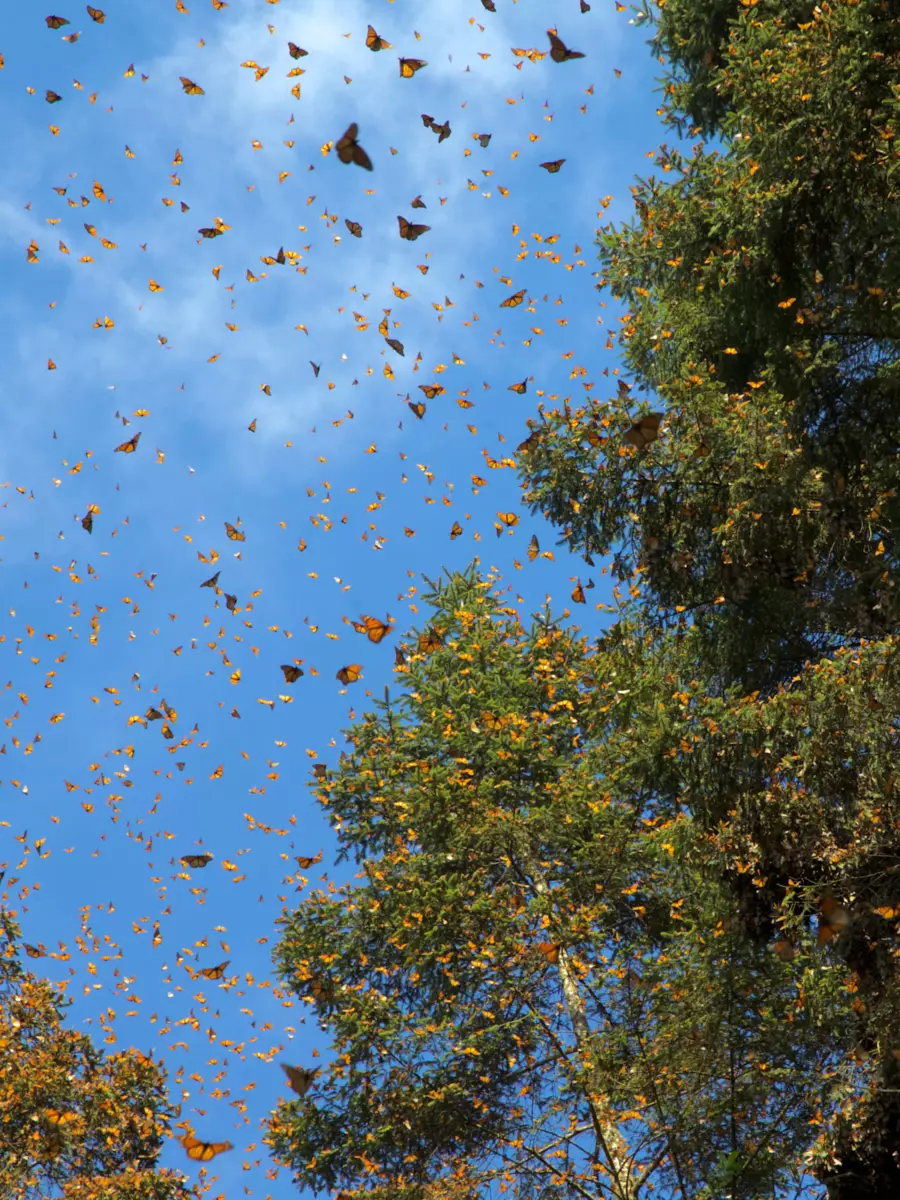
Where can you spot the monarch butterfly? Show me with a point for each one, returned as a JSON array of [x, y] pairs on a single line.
[[396, 346], [585, 7], [87, 521], [644, 431], [418, 408], [252, 426], [56, 22], [553, 167], [196, 861], [215, 972], [316, 368], [418, 203], [578, 594], [304, 860], [550, 951], [230, 601], [374, 42], [399, 657], [534, 548], [96, 14], [212, 581], [409, 66], [130, 446], [559, 51], [442, 130], [432, 389], [291, 673], [514, 300], [354, 227], [456, 531], [34, 951], [374, 629], [489, 5], [350, 674], [191, 88], [484, 139], [520, 388], [211, 233], [509, 519], [430, 640], [153, 714], [784, 950], [530, 442], [199, 1151], [410, 231], [296, 52], [320, 771], [350, 151], [235, 534], [52, 97], [299, 1078]]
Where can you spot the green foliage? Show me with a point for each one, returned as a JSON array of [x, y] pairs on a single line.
[[762, 289], [537, 961]]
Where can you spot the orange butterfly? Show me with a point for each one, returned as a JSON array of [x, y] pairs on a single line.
[[374, 42], [96, 14], [203, 1151], [296, 52], [52, 97], [456, 531], [432, 389], [56, 22], [211, 233], [235, 534], [212, 581], [354, 226], [87, 521], [430, 640], [550, 950], [130, 446], [554, 166], [350, 151], [304, 860], [484, 138], [350, 674], [559, 51], [215, 972], [520, 388], [374, 629], [320, 771], [644, 431], [191, 88], [196, 861], [299, 1078], [410, 231], [578, 594], [291, 673], [514, 300], [409, 66], [509, 519], [534, 548], [418, 408]]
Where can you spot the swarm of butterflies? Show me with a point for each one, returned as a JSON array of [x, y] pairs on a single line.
[[640, 434]]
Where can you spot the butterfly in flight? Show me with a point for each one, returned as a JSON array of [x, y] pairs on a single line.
[[374, 42], [409, 231], [559, 51], [191, 88], [553, 167], [644, 431], [200, 1151], [299, 1078], [350, 151], [409, 66]]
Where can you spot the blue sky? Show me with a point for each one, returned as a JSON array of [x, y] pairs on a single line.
[[365, 479]]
